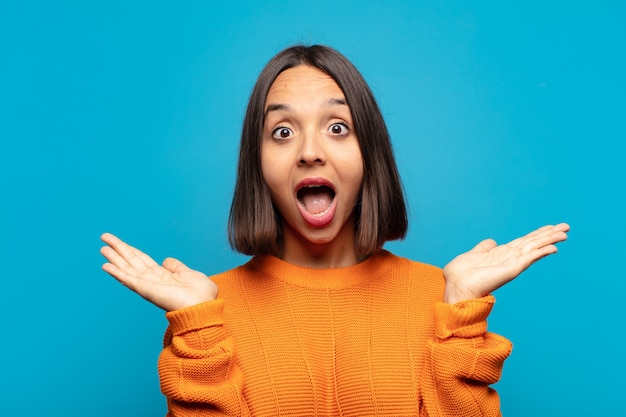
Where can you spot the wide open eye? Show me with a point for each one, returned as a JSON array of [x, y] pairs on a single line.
[[281, 133], [339, 129]]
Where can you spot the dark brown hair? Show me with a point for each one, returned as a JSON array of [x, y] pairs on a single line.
[[380, 214]]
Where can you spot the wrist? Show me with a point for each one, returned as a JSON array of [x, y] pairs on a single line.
[[453, 294]]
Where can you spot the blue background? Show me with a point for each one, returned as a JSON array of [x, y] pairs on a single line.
[[125, 117]]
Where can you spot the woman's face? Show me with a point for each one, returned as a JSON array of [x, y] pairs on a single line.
[[311, 162]]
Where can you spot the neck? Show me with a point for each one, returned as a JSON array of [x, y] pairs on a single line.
[[336, 253]]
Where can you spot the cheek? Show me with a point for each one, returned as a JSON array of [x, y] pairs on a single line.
[[271, 176], [357, 181], [353, 163], [267, 166]]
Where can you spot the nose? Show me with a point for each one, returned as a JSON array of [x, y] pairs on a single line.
[[312, 150]]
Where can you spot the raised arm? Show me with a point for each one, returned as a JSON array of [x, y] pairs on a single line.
[[197, 369], [464, 359]]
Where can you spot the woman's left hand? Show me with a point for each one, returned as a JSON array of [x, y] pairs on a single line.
[[489, 266]]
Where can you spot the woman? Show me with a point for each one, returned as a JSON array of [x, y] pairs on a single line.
[[322, 320]]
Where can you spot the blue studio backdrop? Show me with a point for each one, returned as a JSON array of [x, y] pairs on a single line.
[[124, 116]]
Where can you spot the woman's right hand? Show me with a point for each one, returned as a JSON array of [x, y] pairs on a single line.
[[171, 286]]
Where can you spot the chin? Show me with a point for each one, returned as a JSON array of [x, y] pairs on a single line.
[[320, 240]]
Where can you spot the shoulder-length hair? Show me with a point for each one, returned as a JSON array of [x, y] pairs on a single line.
[[254, 226]]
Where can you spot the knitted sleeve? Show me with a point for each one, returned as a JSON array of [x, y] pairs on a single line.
[[197, 367], [462, 359]]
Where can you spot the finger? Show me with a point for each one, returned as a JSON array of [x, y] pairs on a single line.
[[550, 230], [109, 238], [121, 275], [123, 258], [550, 237], [174, 265], [531, 257], [522, 240], [133, 256], [540, 233], [484, 245], [114, 258], [562, 227], [147, 260]]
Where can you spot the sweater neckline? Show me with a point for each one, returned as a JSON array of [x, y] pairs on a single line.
[[322, 278]]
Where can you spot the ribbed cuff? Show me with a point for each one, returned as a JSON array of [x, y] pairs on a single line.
[[464, 319], [196, 317]]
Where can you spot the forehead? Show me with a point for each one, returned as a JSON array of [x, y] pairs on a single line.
[[303, 81]]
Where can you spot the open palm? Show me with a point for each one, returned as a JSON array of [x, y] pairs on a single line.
[[489, 266], [171, 286]]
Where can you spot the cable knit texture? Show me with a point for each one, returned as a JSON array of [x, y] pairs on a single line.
[[373, 339]]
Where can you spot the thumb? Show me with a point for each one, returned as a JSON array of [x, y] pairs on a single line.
[[174, 265], [485, 245]]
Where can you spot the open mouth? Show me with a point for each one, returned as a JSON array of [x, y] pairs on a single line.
[[316, 199]]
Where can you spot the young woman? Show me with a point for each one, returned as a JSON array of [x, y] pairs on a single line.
[[322, 320]]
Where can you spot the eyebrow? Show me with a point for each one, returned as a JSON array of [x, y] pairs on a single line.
[[285, 107], [277, 107], [336, 102]]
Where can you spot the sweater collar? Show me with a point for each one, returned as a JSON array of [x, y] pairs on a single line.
[[322, 278]]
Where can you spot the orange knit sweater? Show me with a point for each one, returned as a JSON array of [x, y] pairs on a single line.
[[373, 339]]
